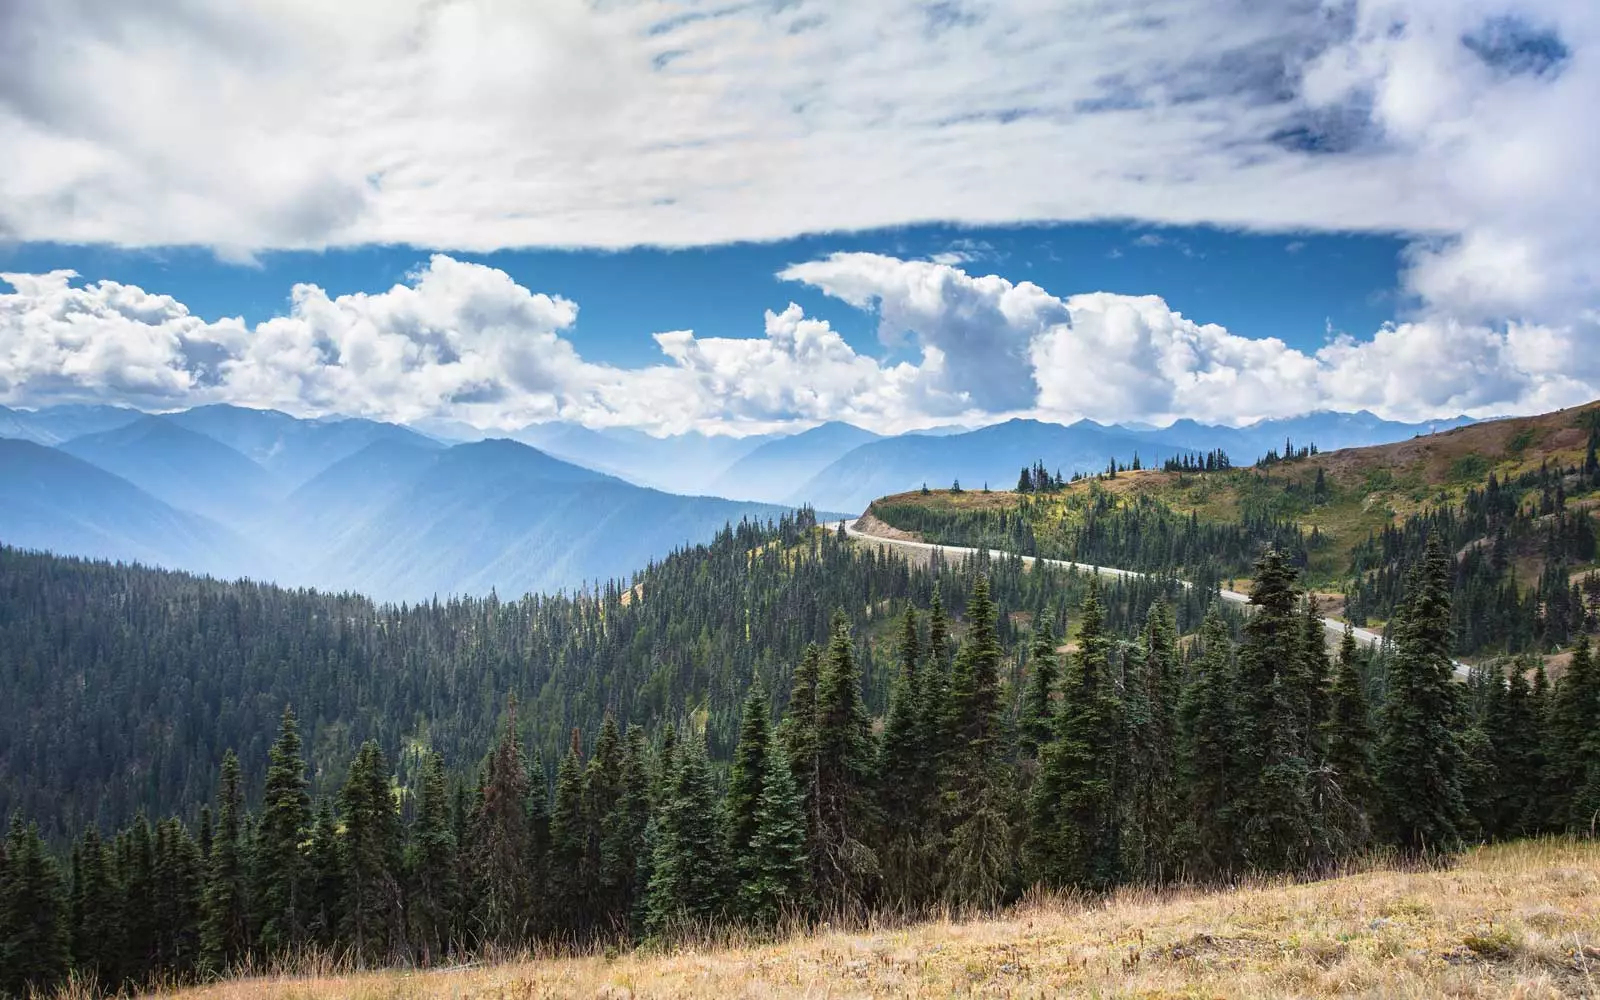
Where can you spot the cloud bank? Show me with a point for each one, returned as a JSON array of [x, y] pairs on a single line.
[[463, 341]]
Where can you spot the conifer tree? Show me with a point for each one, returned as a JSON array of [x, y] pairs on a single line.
[[96, 933], [431, 865], [33, 915], [502, 844], [1418, 760], [1516, 732], [846, 869], [1209, 752], [279, 862], [1277, 827], [178, 901], [225, 936], [137, 874], [903, 775], [325, 875], [602, 794], [623, 832], [746, 778], [1572, 754], [568, 880], [1036, 719], [689, 878], [778, 881], [372, 849], [978, 860], [1348, 738], [1074, 836], [1312, 696], [1153, 807]]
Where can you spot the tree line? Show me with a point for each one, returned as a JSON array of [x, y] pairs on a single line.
[[1143, 759]]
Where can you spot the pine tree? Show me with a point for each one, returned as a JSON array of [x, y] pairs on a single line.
[[541, 907], [569, 884], [1348, 738], [623, 832], [777, 882], [602, 796], [1153, 807], [1277, 827], [325, 878], [431, 865], [903, 775], [137, 864], [845, 869], [690, 877], [1418, 761], [746, 778], [33, 915], [1074, 837], [179, 900], [1037, 717], [1312, 696], [978, 860], [96, 933], [280, 868], [1516, 732], [502, 844], [1209, 752], [1573, 755], [225, 935], [372, 848]]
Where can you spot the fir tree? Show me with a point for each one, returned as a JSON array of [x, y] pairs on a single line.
[[1074, 836], [431, 865], [1418, 761], [97, 929], [689, 877], [1348, 738], [1573, 755], [1516, 732], [903, 774], [623, 832], [777, 882], [372, 856], [33, 915], [325, 877], [978, 860], [569, 882], [502, 844], [279, 862], [137, 864], [225, 936], [1209, 752], [1153, 807], [178, 902], [602, 793], [846, 868], [1312, 696], [746, 778], [1037, 717]]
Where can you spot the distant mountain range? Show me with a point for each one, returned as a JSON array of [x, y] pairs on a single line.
[[359, 504]]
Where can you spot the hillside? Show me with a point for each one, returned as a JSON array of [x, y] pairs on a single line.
[[1517, 920], [776, 470]]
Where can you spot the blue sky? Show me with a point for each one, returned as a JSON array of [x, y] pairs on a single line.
[[500, 213], [1292, 286]]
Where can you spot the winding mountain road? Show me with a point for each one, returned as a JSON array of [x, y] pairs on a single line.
[[1335, 627]]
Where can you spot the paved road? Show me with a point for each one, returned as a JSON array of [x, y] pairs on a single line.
[[1335, 627]]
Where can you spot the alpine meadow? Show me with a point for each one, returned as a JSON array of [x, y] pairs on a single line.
[[660, 499]]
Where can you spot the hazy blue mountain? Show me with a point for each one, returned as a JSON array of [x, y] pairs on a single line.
[[293, 450], [185, 470], [55, 424], [1328, 430], [495, 514], [680, 463], [774, 471], [52, 500], [992, 455]]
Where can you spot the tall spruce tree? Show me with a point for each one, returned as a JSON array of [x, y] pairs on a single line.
[[136, 850], [1573, 754], [97, 927], [33, 915], [1153, 807], [623, 833], [690, 877], [502, 844], [978, 858], [1036, 718], [178, 901], [1418, 760], [747, 776], [431, 865], [846, 868], [1074, 835], [1209, 753], [325, 892], [602, 794], [569, 885], [904, 776], [225, 936], [279, 861], [777, 882], [1348, 738], [372, 847]]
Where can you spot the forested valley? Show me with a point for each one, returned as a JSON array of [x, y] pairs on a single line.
[[940, 751]]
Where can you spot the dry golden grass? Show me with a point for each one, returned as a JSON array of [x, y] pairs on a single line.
[[1519, 920]]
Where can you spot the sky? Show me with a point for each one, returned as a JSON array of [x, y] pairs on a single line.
[[742, 217]]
